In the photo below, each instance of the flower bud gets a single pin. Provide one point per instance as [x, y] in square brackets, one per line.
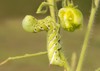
[71, 18]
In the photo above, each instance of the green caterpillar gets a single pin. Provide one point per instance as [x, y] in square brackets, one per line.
[55, 54]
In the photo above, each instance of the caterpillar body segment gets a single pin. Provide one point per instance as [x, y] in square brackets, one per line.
[54, 47]
[47, 24]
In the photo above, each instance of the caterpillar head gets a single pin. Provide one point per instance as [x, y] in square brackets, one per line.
[28, 23]
[71, 18]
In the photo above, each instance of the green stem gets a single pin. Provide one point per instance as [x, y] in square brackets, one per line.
[42, 5]
[52, 8]
[73, 61]
[70, 3]
[95, 5]
[66, 66]
[56, 12]
[23, 56]
[64, 3]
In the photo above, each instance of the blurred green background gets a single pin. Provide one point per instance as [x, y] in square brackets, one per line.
[15, 41]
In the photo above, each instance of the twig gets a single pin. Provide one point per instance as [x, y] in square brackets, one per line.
[23, 56]
[42, 5]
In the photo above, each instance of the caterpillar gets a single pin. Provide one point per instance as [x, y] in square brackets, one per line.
[71, 18]
[47, 24]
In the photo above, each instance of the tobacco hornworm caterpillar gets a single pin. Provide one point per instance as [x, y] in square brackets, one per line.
[55, 54]
[71, 18]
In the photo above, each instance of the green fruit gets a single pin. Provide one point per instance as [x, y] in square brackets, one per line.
[71, 18]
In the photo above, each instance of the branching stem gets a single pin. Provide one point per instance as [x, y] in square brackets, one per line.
[42, 5]
[23, 56]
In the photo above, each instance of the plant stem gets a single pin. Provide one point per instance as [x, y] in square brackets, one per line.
[42, 5]
[64, 3]
[66, 67]
[73, 61]
[23, 56]
[52, 8]
[95, 5]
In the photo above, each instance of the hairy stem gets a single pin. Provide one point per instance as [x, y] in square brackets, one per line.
[95, 5]
[23, 56]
